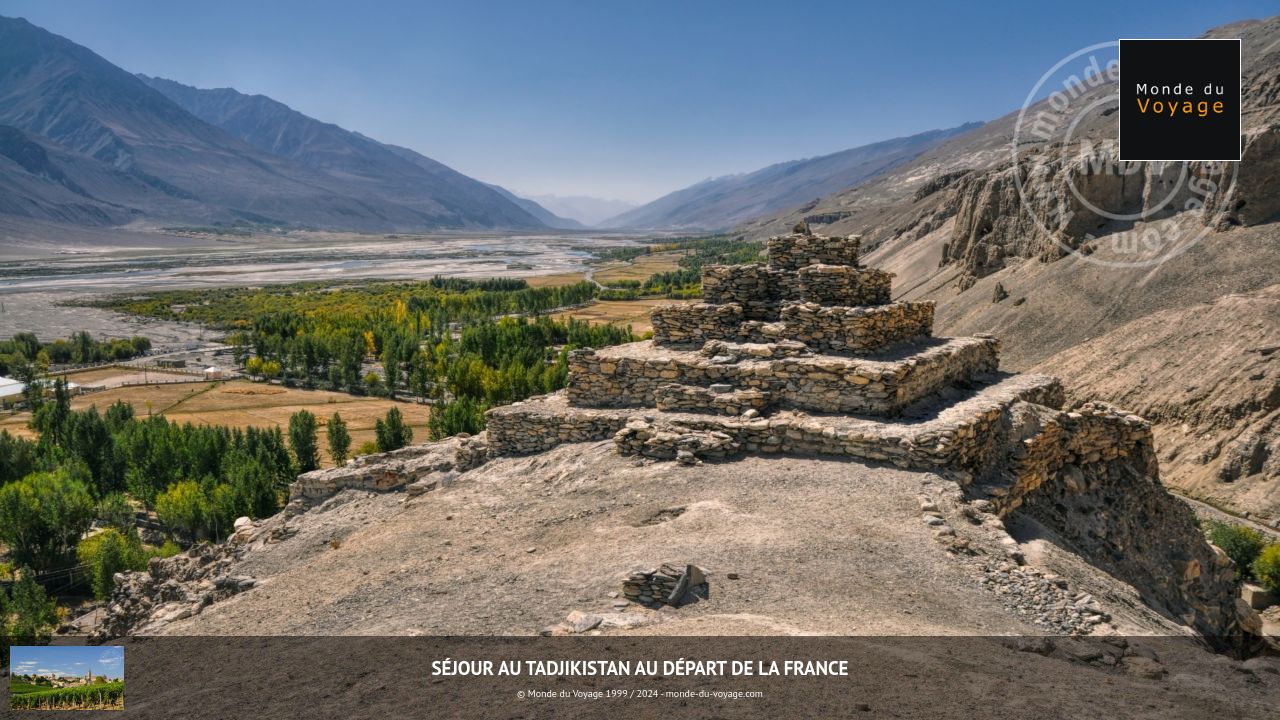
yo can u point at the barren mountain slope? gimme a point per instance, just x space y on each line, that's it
125 152
900 203
1143 338
1210 375
819 547
725 201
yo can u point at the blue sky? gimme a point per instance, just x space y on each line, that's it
107 660
613 99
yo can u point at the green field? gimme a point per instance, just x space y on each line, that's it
102 696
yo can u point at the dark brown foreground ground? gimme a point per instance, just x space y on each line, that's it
919 677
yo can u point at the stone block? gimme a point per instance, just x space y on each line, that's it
1258 597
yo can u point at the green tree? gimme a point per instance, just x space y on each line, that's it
108 553
1266 568
28 372
42 517
464 414
88 437
1241 544
184 509
17 457
34 613
391 365
114 510
82 347
50 419
339 439
255 489
119 414
392 433
302 440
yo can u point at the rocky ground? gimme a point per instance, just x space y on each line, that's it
520 545
791 547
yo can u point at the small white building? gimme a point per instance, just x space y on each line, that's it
10 391
214 372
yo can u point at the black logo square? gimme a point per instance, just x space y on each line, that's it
1180 100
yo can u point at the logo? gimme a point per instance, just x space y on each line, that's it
1180 100
1100 208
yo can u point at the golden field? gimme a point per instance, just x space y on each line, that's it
240 403
619 312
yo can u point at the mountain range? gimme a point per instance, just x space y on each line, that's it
723 202
84 142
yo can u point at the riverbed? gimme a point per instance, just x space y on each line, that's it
33 292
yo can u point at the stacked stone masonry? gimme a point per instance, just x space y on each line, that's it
857 330
844 285
629 375
822 328
696 323
798 250
380 473
758 289
752 369
959 435
771 302
716 400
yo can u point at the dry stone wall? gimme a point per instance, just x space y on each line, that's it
609 378
380 473
695 323
736 352
752 303
720 400
842 330
964 438
844 285
1091 476
759 289
541 423
798 250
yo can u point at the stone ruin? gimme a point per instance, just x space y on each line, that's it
809 355
666 584
806 354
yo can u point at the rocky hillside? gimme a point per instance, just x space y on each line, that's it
726 201
89 143
1208 375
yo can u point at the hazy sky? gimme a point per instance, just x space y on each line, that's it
619 99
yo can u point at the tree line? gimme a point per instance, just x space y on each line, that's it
463 345
25 358
92 471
